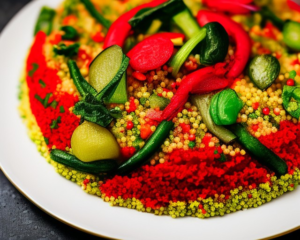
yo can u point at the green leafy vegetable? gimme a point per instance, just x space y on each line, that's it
291 100
70 33
175 9
46 140
164 10
67 51
35 67
43 101
263 70
214 48
54 124
61 109
222 158
95 113
267 14
42 83
54 104
225 107
93 11
45 20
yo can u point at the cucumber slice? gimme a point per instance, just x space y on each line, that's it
120 95
156 101
103 70
105 66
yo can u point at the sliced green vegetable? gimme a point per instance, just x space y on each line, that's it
35 67
45 20
102 166
46 140
107 75
107 94
225 107
43 101
202 102
55 122
95 113
187 23
152 145
261 153
269 15
61 109
70 33
67 51
183 53
81 84
42 83
291 35
93 11
105 67
120 94
214 48
291 100
263 70
91 142
54 104
158 102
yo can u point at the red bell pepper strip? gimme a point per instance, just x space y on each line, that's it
202 81
120 29
293 5
151 53
231 6
239 35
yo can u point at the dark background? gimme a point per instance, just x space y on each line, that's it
19 218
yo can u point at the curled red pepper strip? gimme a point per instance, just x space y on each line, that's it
120 29
293 5
231 6
239 35
202 81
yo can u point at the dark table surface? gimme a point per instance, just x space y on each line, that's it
19 218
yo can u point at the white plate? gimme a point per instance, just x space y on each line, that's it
64 200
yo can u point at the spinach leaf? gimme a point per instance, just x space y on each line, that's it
67 51
94 113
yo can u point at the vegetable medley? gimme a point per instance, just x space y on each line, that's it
180 108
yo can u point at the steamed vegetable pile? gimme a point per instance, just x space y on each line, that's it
198 77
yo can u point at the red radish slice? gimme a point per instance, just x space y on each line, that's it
151 53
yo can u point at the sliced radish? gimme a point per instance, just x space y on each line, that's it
151 53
